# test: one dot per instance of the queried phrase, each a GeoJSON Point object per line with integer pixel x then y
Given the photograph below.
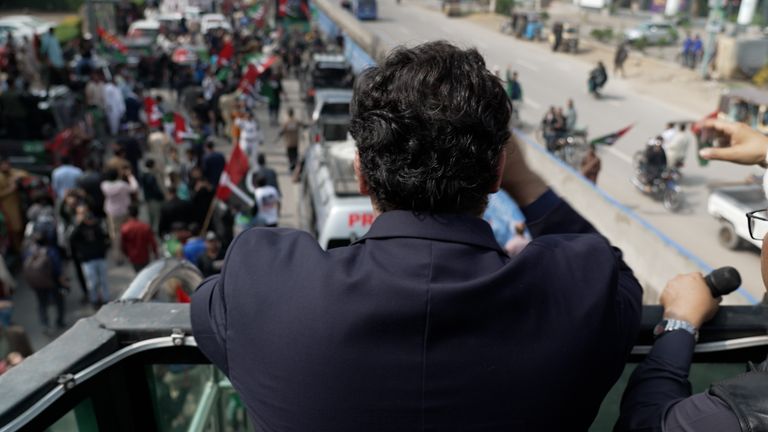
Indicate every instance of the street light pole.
{"type": "Point", "coordinates": [91, 17]}
{"type": "Point", "coordinates": [714, 26]}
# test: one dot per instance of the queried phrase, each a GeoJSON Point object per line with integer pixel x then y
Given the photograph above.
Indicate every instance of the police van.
{"type": "Point", "coordinates": [330, 204]}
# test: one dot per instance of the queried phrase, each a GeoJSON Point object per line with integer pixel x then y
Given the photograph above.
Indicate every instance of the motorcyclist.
{"type": "Point", "coordinates": [677, 146]}
{"type": "Point", "coordinates": [597, 78]}
{"type": "Point", "coordinates": [654, 161]}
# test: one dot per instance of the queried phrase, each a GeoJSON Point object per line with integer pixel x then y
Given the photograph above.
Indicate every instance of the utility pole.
{"type": "Point", "coordinates": [91, 17]}
{"type": "Point", "coordinates": [714, 27]}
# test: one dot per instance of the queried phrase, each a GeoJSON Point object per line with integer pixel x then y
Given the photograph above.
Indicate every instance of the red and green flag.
{"type": "Point", "coordinates": [111, 40]}
{"type": "Point", "coordinates": [611, 137]}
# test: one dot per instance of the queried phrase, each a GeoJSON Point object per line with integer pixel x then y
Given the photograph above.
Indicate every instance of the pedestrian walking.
{"type": "Point", "coordinates": [64, 177]}
{"type": "Point", "coordinates": [268, 202]}
{"type": "Point", "coordinates": [114, 106]}
{"type": "Point", "coordinates": [137, 240]}
{"type": "Point", "coordinates": [153, 193]}
{"type": "Point", "coordinates": [42, 271]}
{"type": "Point", "coordinates": [250, 137]}
{"type": "Point", "coordinates": [117, 198]}
{"type": "Point", "coordinates": [289, 132]}
{"type": "Point", "coordinates": [91, 243]}
{"type": "Point", "coordinates": [620, 57]}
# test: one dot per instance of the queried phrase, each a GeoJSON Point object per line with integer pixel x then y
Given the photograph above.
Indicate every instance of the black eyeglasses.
{"type": "Point", "coordinates": [758, 224]}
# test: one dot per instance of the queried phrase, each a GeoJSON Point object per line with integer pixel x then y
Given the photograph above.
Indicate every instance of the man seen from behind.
{"type": "Point", "coordinates": [425, 323]}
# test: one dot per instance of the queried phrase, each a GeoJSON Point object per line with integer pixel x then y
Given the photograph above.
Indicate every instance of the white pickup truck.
{"type": "Point", "coordinates": [730, 206]}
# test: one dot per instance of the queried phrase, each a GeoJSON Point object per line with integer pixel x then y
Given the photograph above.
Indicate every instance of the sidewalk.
{"type": "Point", "coordinates": [658, 79]}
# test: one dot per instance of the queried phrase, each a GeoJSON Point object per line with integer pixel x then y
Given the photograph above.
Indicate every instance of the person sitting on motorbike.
{"type": "Point", "coordinates": [654, 161]}
{"type": "Point", "coordinates": [677, 146]}
{"type": "Point", "coordinates": [597, 78]}
{"type": "Point", "coordinates": [547, 128]}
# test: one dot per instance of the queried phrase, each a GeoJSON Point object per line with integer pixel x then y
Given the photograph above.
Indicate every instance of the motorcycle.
{"type": "Point", "coordinates": [664, 188]}
{"type": "Point", "coordinates": [597, 79]}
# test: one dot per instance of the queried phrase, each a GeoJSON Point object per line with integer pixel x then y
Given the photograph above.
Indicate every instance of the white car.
{"type": "Point", "coordinates": [653, 33]}
{"type": "Point", "coordinates": [210, 22]}
{"type": "Point", "coordinates": [39, 26]}
{"type": "Point", "coordinates": [18, 30]}
{"type": "Point", "coordinates": [331, 102]}
{"type": "Point", "coordinates": [141, 29]}
{"type": "Point", "coordinates": [729, 205]}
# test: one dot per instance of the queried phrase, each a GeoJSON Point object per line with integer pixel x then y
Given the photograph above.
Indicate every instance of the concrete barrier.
{"type": "Point", "coordinates": [654, 257]}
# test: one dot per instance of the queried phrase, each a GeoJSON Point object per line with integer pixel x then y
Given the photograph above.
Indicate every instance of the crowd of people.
{"type": "Point", "coordinates": [164, 127]}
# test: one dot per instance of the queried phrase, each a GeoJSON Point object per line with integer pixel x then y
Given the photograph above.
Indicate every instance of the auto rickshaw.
{"type": "Point", "coordinates": [452, 8]}
{"type": "Point", "coordinates": [745, 105]}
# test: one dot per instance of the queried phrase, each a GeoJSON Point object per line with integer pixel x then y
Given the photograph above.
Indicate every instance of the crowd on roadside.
{"type": "Point", "coordinates": [151, 191]}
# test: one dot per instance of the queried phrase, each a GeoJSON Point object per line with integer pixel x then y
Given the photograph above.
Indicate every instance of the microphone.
{"type": "Point", "coordinates": [723, 281]}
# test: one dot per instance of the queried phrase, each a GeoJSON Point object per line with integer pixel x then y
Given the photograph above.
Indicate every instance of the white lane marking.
{"type": "Point", "coordinates": [618, 154]}
{"type": "Point", "coordinates": [532, 103]}
{"type": "Point", "coordinates": [614, 103]}
{"type": "Point", "coordinates": [527, 65]}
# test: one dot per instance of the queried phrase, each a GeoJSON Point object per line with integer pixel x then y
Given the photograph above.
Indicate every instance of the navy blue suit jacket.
{"type": "Point", "coordinates": [423, 324]}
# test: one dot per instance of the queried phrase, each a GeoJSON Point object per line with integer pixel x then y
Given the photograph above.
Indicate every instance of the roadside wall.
{"type": "Point", "coordinates": [653, 256]}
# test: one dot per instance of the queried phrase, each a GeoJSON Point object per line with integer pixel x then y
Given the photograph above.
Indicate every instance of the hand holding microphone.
{"type": "Point", "coordinates": [696, 298]}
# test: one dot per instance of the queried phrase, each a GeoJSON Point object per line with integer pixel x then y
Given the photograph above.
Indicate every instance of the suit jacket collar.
{"type": "Point", "coordinates": [449, 227]}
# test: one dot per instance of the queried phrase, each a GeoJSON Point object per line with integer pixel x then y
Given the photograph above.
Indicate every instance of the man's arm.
{"type": "Point", "coordinates": [544, 211]}
{"type": "Point", "coordinates": [661, 380]}
{"type": "Point", "coordinates": [209, 321]}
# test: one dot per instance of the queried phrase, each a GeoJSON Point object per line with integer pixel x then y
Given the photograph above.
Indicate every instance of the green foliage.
{"type": "Point", "coordinates": [68, 29]}
{"type": "Point", "coordinates": [602, 34]}
{"type": "Point", "coordinates": [504, 7]}
{"type": "Point", "coordinates": [42, 5]}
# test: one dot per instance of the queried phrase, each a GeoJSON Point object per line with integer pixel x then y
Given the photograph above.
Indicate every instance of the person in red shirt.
{"type": "Point", "coordinates": [138, 240]}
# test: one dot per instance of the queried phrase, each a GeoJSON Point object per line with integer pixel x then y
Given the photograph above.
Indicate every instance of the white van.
{"type": "Point", "coordinates": [330, 205]}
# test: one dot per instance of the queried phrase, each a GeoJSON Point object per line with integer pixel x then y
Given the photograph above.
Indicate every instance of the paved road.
{"type": "Point", "coordinates": [549, 79]}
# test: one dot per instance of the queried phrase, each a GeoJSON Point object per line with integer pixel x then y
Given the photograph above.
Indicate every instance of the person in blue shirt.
{"type": "Point", "coordinates": [194, 246]}
{"type": "Point", "coordinates": [697, 51]}
{"type": "Point", "coordinates": [687, 51]}
{"type": "Point", "coordinates": [64, 177]}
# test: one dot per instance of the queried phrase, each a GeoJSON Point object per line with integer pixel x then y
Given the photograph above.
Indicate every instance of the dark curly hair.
{"type": "Point", "coordinates": [430, 124]}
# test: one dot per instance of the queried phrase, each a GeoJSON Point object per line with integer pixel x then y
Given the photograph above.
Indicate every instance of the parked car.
{"type": "Point", "coordinates": [18, 31]}
{"type": "Point", "coordinates": [653, 33]}
{"type": "Point", "coordinates": [729, 205]}
{"type": "Point", "coordinates": [39, 26]}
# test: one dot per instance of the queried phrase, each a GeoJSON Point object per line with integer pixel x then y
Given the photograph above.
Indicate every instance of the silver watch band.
{"type": "Point", "coordinates": [676, 324]}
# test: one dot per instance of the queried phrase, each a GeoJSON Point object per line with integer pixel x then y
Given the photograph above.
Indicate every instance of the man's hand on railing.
{"type": "Point", "coordinates": [687, 297]}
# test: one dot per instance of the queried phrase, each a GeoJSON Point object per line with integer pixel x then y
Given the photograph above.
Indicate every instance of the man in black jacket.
{"type": "Point", "coordinates": [658, 395]}
{"type": "Point", "coordinates": [425, 323]}
{"type": "Point", "coordinates": [90, 242]}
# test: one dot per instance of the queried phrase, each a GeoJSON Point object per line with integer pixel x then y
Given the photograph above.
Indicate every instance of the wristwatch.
{"type": "Point", "coordinates": [668, 325]}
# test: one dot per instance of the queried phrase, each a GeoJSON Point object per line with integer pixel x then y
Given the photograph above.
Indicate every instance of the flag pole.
{"type": "Point", "coordinates": [208, 217]}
